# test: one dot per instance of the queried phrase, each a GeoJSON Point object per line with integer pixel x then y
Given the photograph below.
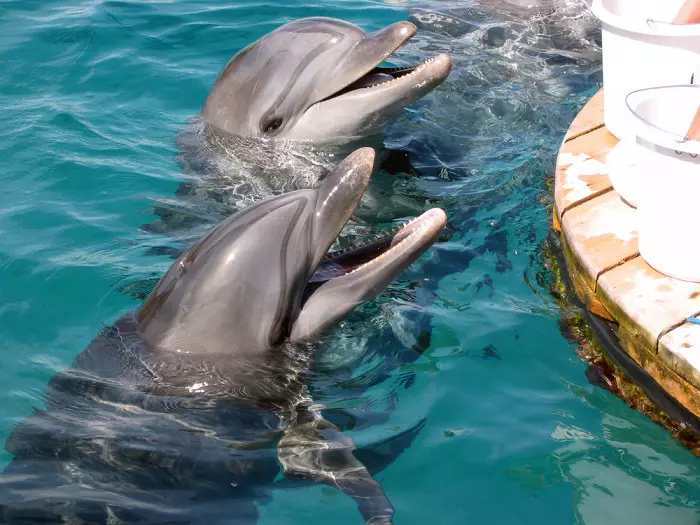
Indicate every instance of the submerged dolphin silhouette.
{"type": "Point", "coordinates": [177, 412]}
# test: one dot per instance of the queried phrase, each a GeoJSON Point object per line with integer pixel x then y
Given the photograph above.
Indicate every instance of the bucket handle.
{"type": "Point", "coordinates": [677, 28]}
{"type": "Point", "coordinates": [678, 139]}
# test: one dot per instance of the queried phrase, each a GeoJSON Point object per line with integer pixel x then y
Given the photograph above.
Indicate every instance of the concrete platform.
{"type": "Point", "coordinates": [599, 238]}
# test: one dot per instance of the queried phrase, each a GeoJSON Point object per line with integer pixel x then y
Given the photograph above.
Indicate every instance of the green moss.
{"type": "Point", "coordinates": [574, 325]}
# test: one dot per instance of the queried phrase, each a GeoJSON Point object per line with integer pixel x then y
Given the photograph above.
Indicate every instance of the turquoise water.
{"type": "Point", "coordinates": [93, 96]}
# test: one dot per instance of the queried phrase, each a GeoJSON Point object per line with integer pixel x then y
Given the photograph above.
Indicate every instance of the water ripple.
{"type": "Point", "coordinates": [94, 93]}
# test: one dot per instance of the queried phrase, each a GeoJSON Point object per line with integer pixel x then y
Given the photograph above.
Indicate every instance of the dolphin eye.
{"type": "Point", "coordinates": [271, 124]}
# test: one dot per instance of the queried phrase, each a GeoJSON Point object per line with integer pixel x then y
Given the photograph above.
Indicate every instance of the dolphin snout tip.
{"type": "Point", "coordinates": [366, 153]}
{"type": "Point", "coordinates": [403, 29]}
{"type": "Point", "coordinates": [437, 218]}
{"type": "Point", "coordinates": [363, 158]}
{"type": "Point", "coordinates": [409, 27]}
{"type": "Point", "coordinates": [444, 63]}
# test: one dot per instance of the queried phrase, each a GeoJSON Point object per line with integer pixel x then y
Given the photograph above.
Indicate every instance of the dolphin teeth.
{"type": "Point", "coordinates": [416, 69]}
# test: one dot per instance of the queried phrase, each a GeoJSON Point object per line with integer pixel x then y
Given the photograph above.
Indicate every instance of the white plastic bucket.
{"type": "Point", "coordinates": [669, 196]}
{"type": "Point", "coordinates": [623, 165]}
{"type": "Point", "coordinates": [643, 48]}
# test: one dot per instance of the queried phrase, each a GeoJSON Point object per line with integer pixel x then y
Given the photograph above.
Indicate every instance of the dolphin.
{"type": "Point", "coordinates": [319, 80]}
{"type": "Point", "coordinates": [185, 409]}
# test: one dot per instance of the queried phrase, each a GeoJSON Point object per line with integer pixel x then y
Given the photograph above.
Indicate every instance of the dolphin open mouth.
{"type": "Point", "coordinates": [405, 243]}
{"type": "Point", "coordinates": [364, 76]}
{"type": "Point", "coordinates": [337, 282]}
{"type": "Point", "coordinates": [432, 71]}
{"type": "Point", "coordinates": [343, 280]}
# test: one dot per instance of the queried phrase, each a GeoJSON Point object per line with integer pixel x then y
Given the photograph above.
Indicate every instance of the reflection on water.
{"type": "Point", "coordinates": [631, 466]}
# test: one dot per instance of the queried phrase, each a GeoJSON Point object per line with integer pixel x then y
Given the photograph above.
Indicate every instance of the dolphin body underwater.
{"type": "Point", "coordinates": [285, 109]}
{"type": "Point", "coordinates": [184, 410]}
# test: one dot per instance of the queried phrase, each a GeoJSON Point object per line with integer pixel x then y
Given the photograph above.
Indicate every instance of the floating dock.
{"type": "Point", "coordinates": [598, 234]}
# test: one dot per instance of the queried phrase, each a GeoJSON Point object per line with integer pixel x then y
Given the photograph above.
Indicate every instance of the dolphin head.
{"type": "Point", "coordinates": [263, 275]}
{"type": "Point", "coordinates": [318, 79]}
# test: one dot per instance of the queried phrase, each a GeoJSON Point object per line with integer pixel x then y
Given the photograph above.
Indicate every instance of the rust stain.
{"type": "Point", "coordinates": [664, 287]}
{"type": "Point", "coordinates": [694, 295]}
{"type": "Point", "coordinates": [607, 243]}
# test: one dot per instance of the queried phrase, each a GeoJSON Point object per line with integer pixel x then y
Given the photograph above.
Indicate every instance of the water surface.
{"type": "Point", "coordinates": [94, 94]}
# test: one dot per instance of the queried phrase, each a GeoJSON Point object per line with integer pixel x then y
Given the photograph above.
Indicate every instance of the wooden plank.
{"type": "Point", "coordinates": [582, 285]}
{"type": "Point", "coordinates": [680, 350]}
{"type": "Point", "coordinates": [580, 172]}
{"type": "Point", "coordinates": [599, 240]}
{"type": "Point", "coordinates": [588, 119]}
{"type": "Point", "coordinates": [645, 301]}
{"type": "Point", "coordinates": [602, 234]}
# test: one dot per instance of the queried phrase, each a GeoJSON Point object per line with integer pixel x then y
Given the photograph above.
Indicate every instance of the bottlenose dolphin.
{"type": "Point", "coordinates": [170, 415]}
{"type": "Point", "coordinates": [319, 80]}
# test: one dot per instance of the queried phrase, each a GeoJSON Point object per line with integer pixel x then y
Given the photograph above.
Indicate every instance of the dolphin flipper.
{"type": "Point", "coordinates": [314, 449]}
{"type": "Point", "coordinates": [379, 455]}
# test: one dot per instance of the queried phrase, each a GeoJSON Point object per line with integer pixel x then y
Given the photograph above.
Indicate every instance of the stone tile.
{"type": "Point", "coordinates": [671, 382]}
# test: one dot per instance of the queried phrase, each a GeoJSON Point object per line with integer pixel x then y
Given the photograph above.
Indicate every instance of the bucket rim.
{"type": "Point", "coordinates": [649, 26]}
{"type": "Point", "coordinates": [656, 134]}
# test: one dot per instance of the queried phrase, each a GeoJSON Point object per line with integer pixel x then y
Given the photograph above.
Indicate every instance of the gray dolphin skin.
{"type": "Point", "coordinates": [171, 406]}
{"type": "Point", "coordinates": [319, 80]}
{"type": "Point", "coordinates": [268, 253]}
